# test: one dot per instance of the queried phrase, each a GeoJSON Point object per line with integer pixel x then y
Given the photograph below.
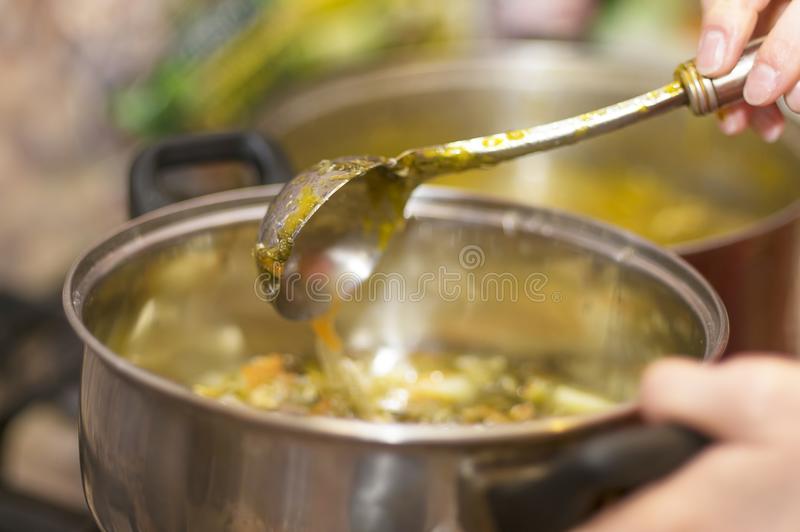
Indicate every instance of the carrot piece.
{"type": "Point", "coordinates": [261, 370]}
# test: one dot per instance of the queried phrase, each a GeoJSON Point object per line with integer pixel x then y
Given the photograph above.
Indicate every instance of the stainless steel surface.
{"type": "Point", "coordinates": [328, 223]}
{"type": "Point", "coordinates": [421, 102]}
{"type": "Point", "coordinates": [350, 221]}
{"type": "Point", "coordinates": [156, 457]}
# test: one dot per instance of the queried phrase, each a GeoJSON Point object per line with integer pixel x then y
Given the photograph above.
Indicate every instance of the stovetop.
{"type": "Point", "coordinates": [40, 361]}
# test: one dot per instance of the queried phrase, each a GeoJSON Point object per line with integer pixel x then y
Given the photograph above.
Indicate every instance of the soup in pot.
{"type": "Point", "coordinates": [532, 327]}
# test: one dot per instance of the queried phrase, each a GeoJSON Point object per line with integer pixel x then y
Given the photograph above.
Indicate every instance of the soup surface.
{"type": "Point", "coordinates": [424, 387]}
{"type": "Point", "coordinates": [637, 199]}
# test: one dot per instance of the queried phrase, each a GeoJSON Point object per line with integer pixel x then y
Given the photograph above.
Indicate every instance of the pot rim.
{"type": "Point", "coordinates": [88, 269]}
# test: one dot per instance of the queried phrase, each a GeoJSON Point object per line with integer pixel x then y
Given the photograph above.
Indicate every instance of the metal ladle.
{"type": "Point", "coordinates": [325, 231]}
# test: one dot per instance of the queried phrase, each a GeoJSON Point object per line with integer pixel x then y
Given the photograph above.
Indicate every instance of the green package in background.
{"type": "Point", "coordinates": [225, 58]}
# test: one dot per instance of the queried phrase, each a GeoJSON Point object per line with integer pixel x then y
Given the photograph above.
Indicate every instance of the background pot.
{"type": "Point", "coordinates": [418, 102]}
{"type": "Point", "coordinates": [156, 457]}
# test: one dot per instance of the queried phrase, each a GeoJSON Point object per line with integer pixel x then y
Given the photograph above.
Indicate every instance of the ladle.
{"type": "Point", "coordinates": [325, 231]}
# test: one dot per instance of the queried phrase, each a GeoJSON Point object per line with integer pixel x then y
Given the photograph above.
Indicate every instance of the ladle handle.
{"type": "Point", "coordinates": [557, 496]}
{"type": "Point", "coordinates": [707, 95]}
{"type": "Point", "coordinates": [703, 95]}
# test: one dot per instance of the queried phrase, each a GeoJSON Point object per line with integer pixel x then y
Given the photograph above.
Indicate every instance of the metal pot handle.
{"type": "Point", "coordinates": [557, 496]}
{"type": "Point", "coordinates": [263, 155]}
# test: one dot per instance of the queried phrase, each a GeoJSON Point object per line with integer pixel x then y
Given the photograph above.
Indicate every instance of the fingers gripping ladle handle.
{"type": "Point", "coordinates": [707, 95]}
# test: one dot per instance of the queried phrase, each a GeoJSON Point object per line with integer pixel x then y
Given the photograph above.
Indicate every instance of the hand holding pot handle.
{"type": "Point", "coordinates": [557, 496]}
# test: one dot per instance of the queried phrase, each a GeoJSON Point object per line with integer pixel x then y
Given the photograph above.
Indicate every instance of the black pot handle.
{"type": "Point", "coordinates": [263, 155]}
{"type": "Point", "coordinates": [22, 512]}
{"type": "Point", "coordinates": [558, 496]}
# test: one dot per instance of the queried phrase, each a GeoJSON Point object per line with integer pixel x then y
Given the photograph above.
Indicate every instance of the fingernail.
{"type": "Point", "coordinates": [793, 98]}
{"type": "Point", "coordinates": [761, 83]}
{"type": "Point", "coordinates": [731, 122]}
{"type": "Point", "coordinates": [773, 133]}
{"type": "Point", "coordinates": [769, 124]}
{"type": "Point", "coordinates": [711, 53]}
{"type": "Point", "coordinates": [662, 378]}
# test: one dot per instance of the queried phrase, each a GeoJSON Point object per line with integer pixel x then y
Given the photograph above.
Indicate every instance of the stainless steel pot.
{"type": "Point", "coordinates": [156, 457]}
{"type": "Point", "coordinates": [426, 101]}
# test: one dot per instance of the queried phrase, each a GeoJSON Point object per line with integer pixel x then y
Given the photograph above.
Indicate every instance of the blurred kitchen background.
{"type": "Point", "coordinates": [85, 82]}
